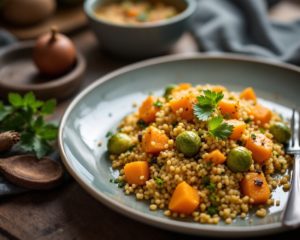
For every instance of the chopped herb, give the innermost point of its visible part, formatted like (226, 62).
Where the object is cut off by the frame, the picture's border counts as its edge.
(253, 136)
(108, 134)
(153, 160)
(141, 123)
(218, 128)
(206, 104)
(212, 210)
(211, 187)
(142, 17)
(159, 181)
(131, 148)
(205, 180)
(258, 182)
(174, 124)
(213, 198)
(120, 183)
(158, 104)
(262, 130)
(248, 120)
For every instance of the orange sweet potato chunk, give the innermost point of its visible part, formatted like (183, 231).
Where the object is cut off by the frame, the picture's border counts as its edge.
(261, 114)
(136, 172)
(216, 157)
(260, 146)
(238, 128)
(185, 199)
(147, 110)
(184, 102)
(248, 94)
(154, 140)
(229, 108)
(256, 187)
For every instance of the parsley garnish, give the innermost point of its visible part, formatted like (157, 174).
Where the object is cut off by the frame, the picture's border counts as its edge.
(159, 181)
(158, 104)
(212, 210)
(206, 104)
(26, 116)
(253, 136)
(218, 128)
(211, 187)
(108, 134)
(142, 124)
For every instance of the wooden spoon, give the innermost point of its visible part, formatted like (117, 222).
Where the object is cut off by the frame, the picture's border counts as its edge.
(30, 172)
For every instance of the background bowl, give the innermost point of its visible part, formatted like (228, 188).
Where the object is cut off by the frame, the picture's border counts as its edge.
(143, 40)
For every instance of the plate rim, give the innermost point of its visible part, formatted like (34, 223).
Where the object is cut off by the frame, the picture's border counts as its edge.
(169, 224)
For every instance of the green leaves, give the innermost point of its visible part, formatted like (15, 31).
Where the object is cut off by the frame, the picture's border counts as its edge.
(206, 104)
(158, 104)
(26, 116)
(218, 128)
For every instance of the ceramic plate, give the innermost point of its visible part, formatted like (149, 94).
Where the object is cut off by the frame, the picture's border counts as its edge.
(100, 107)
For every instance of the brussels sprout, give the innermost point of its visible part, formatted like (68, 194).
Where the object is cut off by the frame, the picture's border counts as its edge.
(239, 159)
(188, 143)
(169, 90)
(119, 143)
(280, 132)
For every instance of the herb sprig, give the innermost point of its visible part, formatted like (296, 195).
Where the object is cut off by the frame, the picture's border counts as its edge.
(26, 116)
(218, 128)
(206, 104)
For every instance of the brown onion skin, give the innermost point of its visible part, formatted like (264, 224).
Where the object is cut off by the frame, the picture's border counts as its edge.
(54, 54)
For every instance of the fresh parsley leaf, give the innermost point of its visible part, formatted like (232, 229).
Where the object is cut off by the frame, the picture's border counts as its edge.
(48, 132)
(218, 128)
(15, 99)
(202, 113)
(206, 104)
(29, 99)
(158, 104)
(41, 147)
(49, 107)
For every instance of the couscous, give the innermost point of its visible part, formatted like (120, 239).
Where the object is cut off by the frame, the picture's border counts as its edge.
(134, 12)
(202, 151)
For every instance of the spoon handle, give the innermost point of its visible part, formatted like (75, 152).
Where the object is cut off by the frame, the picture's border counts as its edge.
(291, 215)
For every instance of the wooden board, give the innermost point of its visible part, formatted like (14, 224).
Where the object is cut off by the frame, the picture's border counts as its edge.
(67, 20)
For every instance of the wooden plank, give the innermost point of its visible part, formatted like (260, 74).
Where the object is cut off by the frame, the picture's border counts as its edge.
(66, 20)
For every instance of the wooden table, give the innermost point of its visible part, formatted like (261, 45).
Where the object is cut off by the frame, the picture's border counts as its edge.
(68, 212)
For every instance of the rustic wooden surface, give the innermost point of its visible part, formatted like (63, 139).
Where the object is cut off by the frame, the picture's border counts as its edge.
(68, 212)
(66, 21)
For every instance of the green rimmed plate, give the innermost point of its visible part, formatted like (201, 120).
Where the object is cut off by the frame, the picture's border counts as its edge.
(100, 107)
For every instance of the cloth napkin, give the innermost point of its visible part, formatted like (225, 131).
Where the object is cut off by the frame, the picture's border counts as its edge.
(243, 27)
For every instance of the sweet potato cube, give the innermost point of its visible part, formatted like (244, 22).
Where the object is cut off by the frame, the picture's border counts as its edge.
(185, 199)
(248, 94)
(147, 110)
(154, 140)
(229, 108)
(136, 172)
(255, 186)
(215, 157)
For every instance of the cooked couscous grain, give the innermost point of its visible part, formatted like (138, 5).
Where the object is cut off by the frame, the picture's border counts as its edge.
(213, 163)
